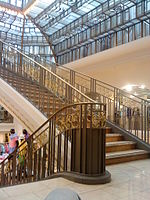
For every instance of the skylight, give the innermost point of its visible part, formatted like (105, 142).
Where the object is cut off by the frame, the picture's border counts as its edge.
(38, 6)
(16, 3)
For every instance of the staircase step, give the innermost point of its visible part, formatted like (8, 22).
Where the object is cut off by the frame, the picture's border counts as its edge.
(33, 94)
(23, 85)
(113, 137)
(119, 146)
(30, 89)
(108, 130)
(14, 79)
(126, 156)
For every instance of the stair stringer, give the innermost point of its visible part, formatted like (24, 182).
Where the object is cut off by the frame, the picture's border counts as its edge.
(20, 108)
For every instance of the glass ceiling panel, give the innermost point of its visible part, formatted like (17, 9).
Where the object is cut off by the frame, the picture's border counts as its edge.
(51, 30)
(39, 6)
(46, 17)
(11, 22)
(87, 7)
(54, 15)
(36, 10)
(16, 3)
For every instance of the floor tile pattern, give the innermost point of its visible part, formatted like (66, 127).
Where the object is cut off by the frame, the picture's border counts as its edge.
(130, 181)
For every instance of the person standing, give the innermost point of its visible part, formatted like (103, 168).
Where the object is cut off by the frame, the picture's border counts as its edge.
(22, 150)
(26, 134)
(13, 141)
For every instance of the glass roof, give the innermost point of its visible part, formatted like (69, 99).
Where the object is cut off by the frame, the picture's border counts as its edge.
(16, 3)
(66, 10)
(43, 12)
(53, 16)
(39, 6)
(11, 22)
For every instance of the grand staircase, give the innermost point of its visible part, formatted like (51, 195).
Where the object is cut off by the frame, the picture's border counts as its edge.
(61, 98)
(117, 148)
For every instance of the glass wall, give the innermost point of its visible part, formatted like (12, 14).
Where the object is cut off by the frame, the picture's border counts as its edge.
(121, 27)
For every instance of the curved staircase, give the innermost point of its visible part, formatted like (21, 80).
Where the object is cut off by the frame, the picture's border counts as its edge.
(117, 148)
(52, 93)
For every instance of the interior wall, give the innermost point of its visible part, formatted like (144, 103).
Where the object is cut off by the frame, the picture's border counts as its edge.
(26, 115)
(119, 66)
(5, 129)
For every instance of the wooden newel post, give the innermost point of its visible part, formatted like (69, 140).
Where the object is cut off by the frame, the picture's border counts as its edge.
(88, 156)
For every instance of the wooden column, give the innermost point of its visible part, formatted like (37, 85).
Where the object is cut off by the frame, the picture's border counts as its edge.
(88, 156)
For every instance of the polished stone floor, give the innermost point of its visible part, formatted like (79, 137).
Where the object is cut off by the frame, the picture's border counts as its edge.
(130, 181)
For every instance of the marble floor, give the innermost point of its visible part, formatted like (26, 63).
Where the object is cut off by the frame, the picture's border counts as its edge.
(130, 181)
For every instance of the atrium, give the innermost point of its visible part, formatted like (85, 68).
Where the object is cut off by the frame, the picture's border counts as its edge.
(75, 98)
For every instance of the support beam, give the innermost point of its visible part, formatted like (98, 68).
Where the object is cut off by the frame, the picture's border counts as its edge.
(22, 43)
(28, 6)
(10, 7)
(45, 35)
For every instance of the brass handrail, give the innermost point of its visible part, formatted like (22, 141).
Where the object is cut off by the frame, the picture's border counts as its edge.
(57, 65)
(89, 117)
(48, 71)
(99, 81)
(133, 107)
(121, 108)
(53, 115)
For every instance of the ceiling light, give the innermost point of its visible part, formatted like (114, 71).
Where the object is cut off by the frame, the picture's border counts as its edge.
(128, 88)
(142, 87)
(131, 96)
